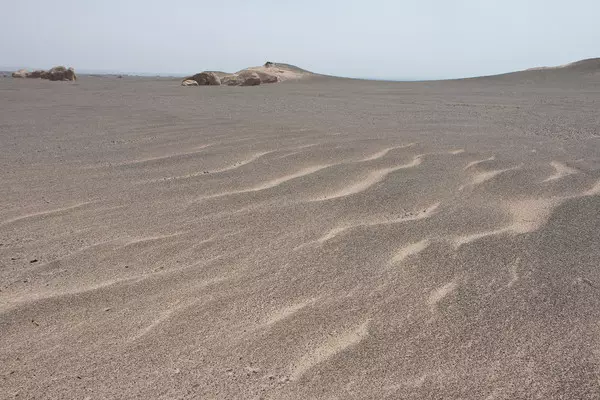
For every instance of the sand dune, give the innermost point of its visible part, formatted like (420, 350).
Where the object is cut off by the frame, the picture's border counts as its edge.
(318, 239)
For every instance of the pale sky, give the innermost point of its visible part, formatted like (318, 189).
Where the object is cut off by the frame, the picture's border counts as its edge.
(387, 39)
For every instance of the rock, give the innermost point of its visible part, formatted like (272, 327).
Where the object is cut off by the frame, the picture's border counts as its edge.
(36, 74)
(70, 74)
(231, 80)
(265, 77)
(60, 73)
(22, 73)
(249, 78)
(189, 82)
(206, 79)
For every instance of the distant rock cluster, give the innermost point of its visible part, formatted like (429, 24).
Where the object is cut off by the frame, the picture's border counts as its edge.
(254, 76)
(59, 73)
(243, 78)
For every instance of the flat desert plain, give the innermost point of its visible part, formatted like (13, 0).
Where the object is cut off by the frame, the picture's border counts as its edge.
(318, 239)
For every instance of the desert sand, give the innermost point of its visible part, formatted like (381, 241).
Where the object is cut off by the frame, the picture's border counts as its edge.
(316, 239)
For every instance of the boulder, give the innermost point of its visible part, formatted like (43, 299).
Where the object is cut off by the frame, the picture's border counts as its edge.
(265, 77)
(249, 78)
(60, 73)
(22, 73)
(231, 80)
(70, 75)
(35, 74)
(205, 79)
(189, 82)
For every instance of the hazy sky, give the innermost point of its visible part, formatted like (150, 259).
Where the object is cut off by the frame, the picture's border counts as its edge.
(376, 38)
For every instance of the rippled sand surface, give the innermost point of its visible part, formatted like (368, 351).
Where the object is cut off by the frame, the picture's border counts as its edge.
(326, 239)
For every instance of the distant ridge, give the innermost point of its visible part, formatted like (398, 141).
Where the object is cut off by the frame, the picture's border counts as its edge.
(588, 68)
(590, 64)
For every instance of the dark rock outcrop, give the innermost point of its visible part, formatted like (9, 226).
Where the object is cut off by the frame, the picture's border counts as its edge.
(60, 73)
(36, 74)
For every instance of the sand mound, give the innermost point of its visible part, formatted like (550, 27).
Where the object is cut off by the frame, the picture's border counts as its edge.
(268, 73)
(276, 72)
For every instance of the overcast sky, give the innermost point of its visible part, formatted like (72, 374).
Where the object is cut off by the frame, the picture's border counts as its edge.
(393, 39)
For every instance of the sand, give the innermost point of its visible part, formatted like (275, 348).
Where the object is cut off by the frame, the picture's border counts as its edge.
(320, 239)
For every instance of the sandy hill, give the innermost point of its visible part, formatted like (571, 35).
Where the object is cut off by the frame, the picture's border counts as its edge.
(588, 65)
(283, 72)
(269, 72)
(579, 70)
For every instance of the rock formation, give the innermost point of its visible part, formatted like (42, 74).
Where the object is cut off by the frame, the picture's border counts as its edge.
(205, 79)
(189, 82)
(250, 79)
(231, 80)
(22, 73)
(35, 74)
(60, 73)
(55, 74)
(267, 73)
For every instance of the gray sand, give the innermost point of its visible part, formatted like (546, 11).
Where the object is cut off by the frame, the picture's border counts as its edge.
(326, 239)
